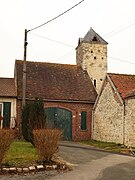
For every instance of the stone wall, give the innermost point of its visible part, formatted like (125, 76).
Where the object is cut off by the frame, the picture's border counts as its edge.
(76, 109)
(130, 122)
(93, 58)
(108, 117)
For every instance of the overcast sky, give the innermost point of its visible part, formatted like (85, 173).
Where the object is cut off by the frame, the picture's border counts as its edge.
(114, 20)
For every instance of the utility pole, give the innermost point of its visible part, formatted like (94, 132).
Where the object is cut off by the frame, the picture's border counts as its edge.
(24, 70)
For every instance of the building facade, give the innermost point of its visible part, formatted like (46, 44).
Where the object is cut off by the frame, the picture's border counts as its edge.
(7, 103)
(68, 105)
(113, 112)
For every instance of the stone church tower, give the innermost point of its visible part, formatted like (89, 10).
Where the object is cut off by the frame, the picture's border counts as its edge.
(91, 54)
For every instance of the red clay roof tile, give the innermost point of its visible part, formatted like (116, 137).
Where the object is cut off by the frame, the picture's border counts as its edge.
(55, 82)
(124, 83)
(7, 87)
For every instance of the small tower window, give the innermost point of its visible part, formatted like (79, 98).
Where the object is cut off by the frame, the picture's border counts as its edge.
(91, 51)
(102, 58)
(95, 38)
(95, 83)
(95, 57)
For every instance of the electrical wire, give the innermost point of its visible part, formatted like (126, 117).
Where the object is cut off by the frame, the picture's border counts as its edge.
(71, 53)
(122, 60)
(114, 33)
(66, 55)
(52, 40)
(56, 16)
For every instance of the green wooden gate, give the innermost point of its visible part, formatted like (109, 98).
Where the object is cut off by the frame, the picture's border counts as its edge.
(6, 114)
(60, 118)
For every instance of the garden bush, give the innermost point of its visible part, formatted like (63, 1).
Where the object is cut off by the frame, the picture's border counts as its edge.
(33, 117)
(6, 138)
(47, 142)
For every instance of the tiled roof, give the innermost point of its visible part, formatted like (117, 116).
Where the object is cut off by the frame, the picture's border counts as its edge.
(55, 82)
(7, 87)
(124, 83)
(92, 37)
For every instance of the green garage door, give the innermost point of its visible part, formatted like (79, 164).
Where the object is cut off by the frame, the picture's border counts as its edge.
(60, 118)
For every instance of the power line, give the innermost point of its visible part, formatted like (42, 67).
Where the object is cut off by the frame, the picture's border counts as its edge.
(114, 32)
(122, 60)
(71, 53)
(52, 40)
(66, 55)
(56, 16)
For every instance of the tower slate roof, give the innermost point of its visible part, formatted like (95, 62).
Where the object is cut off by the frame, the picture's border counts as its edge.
(53, 81)
(92, 37)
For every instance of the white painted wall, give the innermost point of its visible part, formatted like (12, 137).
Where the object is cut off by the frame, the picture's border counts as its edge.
(13, 110)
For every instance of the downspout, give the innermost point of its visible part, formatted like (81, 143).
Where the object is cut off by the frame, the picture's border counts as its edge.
(92, 125)
(123, 119)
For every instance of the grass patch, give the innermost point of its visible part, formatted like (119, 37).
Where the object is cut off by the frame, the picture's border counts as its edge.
(20, 153)
(109, 146)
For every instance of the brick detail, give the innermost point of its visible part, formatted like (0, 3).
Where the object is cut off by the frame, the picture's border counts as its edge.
(76, 109)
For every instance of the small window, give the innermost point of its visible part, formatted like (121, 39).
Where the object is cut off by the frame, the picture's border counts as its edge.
(91, 51)
(95, 57)
(95, 82)
(102, 58)
(99, 51)
(83, 120)
(95, 38)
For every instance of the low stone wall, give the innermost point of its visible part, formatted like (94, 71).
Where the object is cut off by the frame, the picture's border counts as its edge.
(30, 169)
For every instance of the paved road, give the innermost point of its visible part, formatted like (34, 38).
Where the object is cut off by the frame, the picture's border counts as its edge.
(77, 153)
(89, 164)
(94, 164)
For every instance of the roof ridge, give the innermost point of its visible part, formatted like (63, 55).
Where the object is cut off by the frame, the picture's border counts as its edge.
(6, 78)
(39, 62)
(121, 74)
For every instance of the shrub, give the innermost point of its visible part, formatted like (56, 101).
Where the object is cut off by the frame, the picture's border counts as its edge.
(6, 138)
(33, 117)
(46, 142)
